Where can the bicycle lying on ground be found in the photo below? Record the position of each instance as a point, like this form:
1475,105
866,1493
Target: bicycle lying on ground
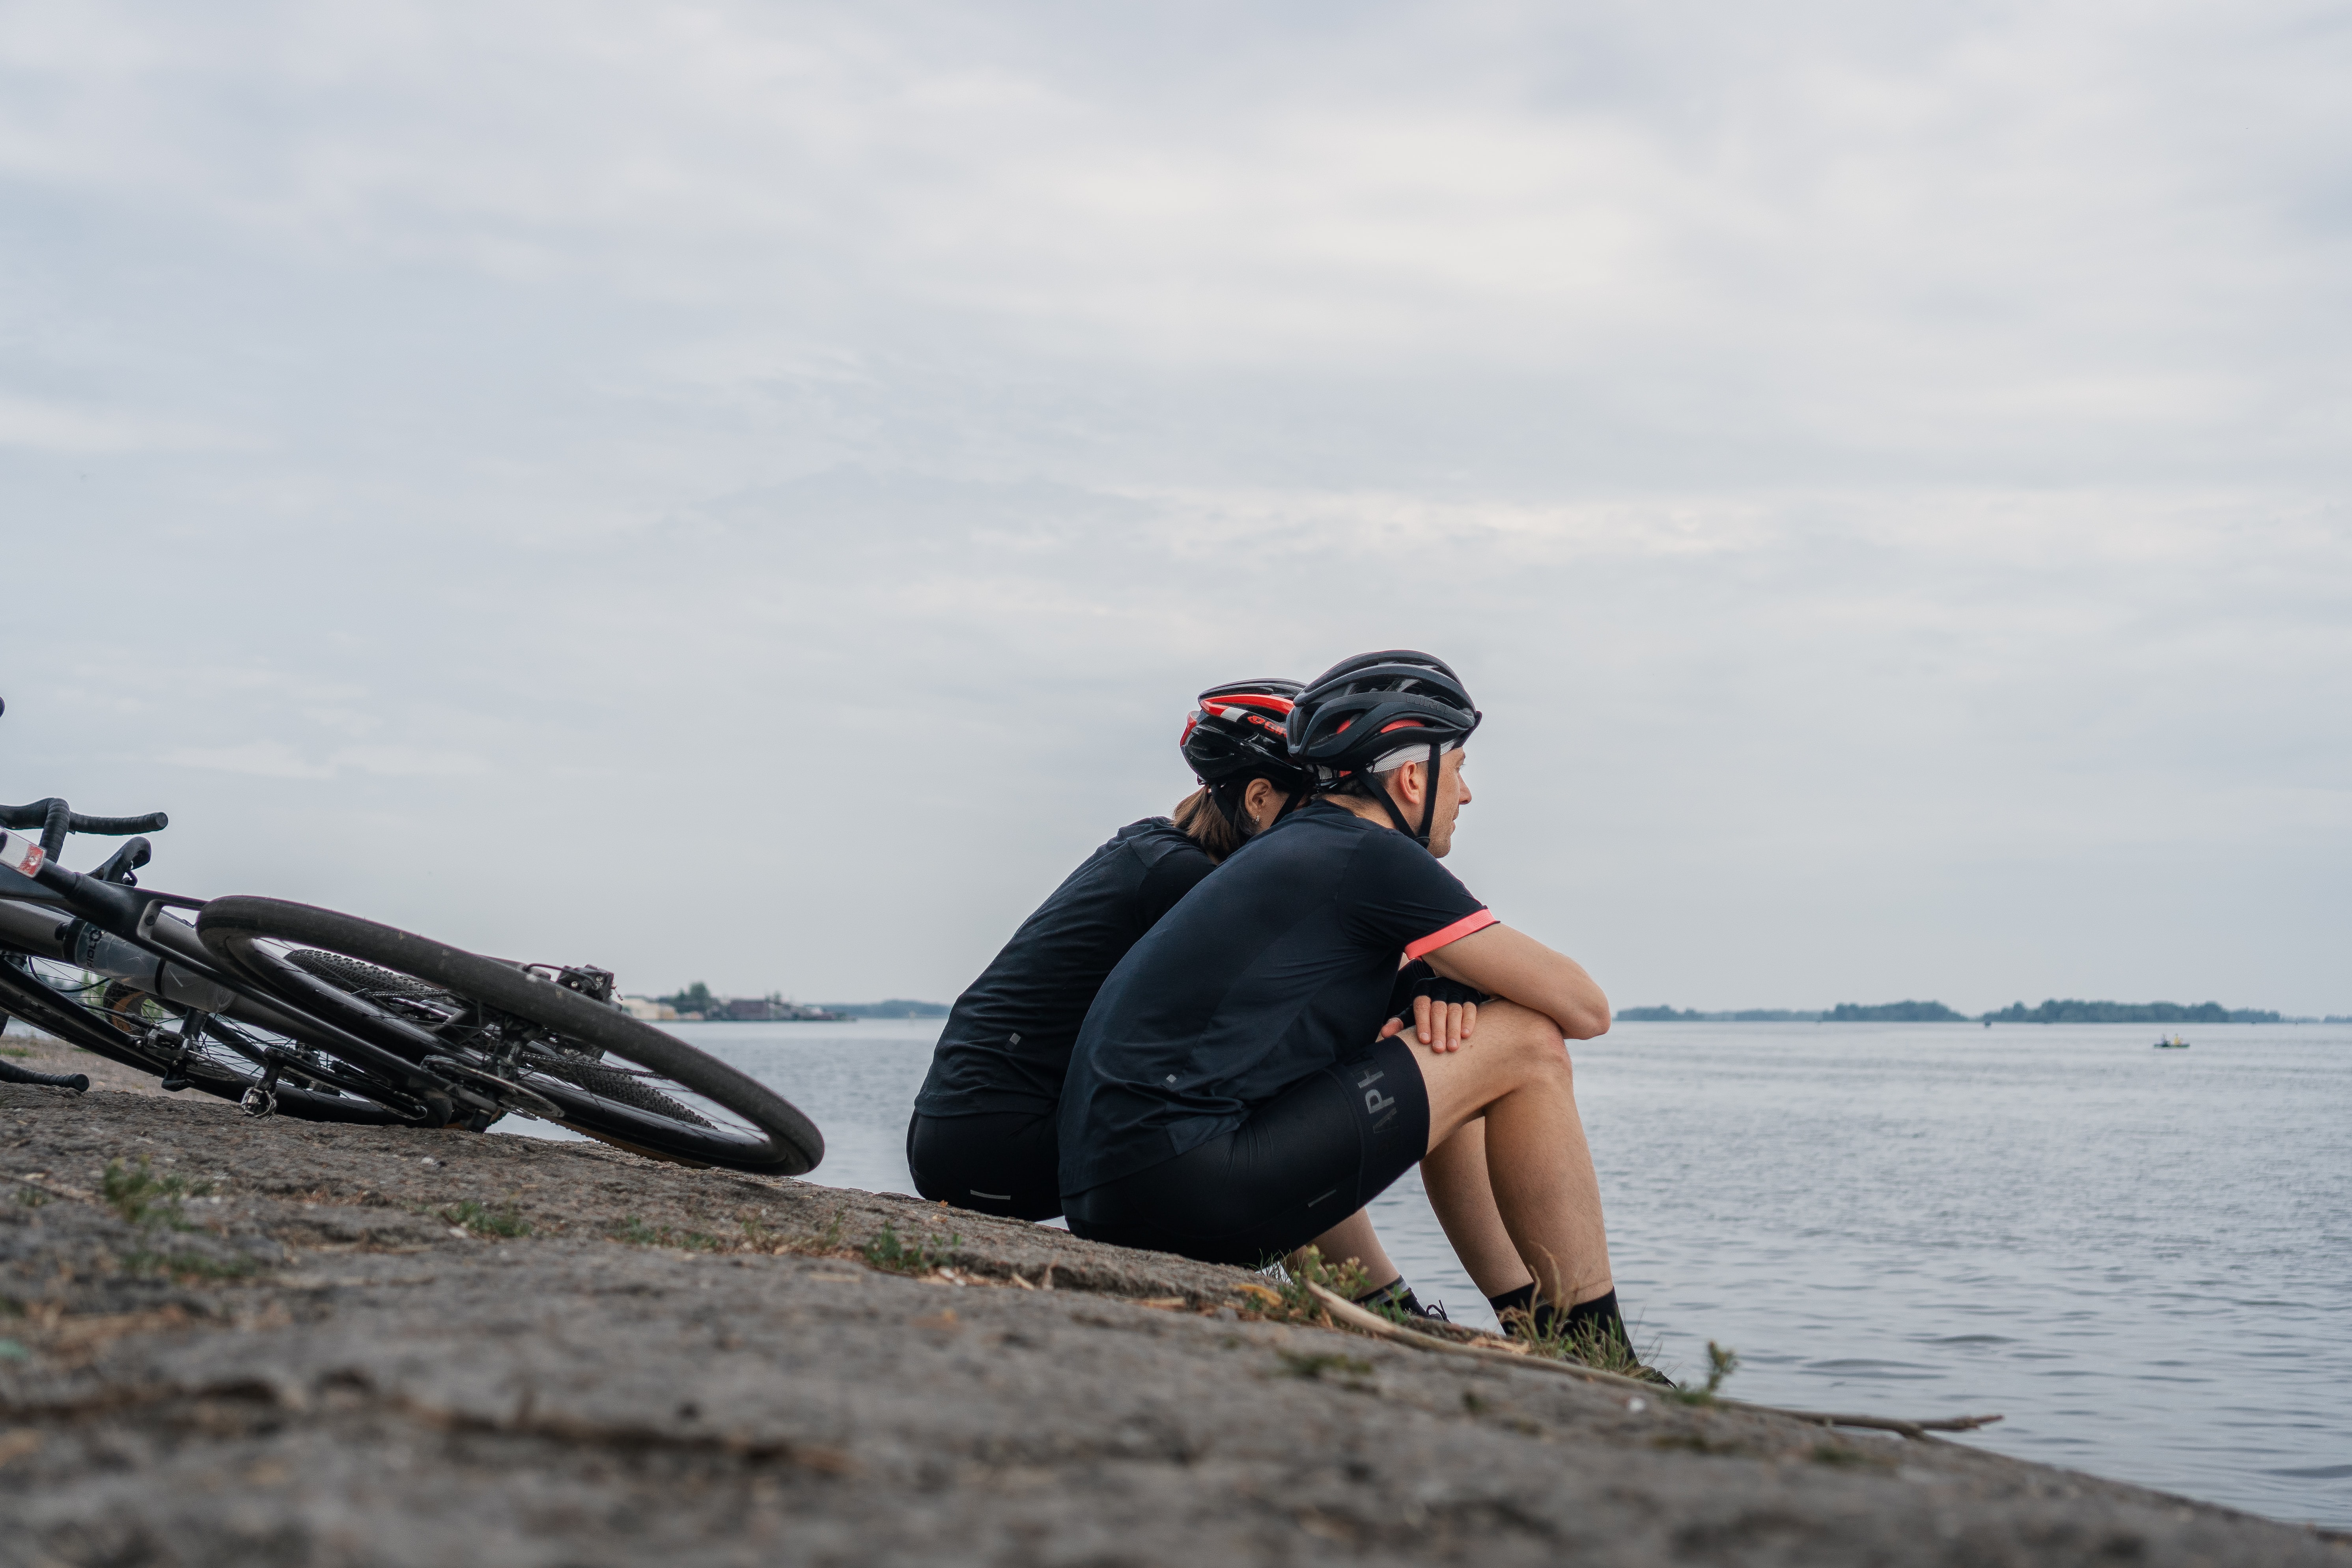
297,1011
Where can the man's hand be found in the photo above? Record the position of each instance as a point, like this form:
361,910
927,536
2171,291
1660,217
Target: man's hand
1442,1025
1514,967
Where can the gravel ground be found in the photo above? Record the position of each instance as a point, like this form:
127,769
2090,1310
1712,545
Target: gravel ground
270,1342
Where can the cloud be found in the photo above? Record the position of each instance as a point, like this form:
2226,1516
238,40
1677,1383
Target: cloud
258,759
1883,468
42,426
275,760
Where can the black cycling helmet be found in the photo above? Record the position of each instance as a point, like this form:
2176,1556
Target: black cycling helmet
1362,711
1236,734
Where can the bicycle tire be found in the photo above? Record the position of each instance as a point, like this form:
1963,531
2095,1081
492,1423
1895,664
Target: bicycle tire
775,1139
374,983
25,998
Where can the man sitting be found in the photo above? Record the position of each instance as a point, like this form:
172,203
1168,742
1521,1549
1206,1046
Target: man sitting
1232,1095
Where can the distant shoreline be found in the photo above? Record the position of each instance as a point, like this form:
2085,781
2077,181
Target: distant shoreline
698,1005
2053,1011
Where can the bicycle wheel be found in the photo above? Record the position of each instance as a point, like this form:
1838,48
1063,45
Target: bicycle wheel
110,1019
516,1033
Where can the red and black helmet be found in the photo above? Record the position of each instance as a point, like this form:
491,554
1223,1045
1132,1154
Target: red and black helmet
1239,732
1382,708
1241,727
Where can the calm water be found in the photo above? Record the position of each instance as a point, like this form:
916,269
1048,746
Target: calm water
2142,1257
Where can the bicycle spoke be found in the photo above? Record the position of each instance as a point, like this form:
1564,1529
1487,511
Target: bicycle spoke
489,1037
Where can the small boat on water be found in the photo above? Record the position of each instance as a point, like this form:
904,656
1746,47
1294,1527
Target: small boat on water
2174,1044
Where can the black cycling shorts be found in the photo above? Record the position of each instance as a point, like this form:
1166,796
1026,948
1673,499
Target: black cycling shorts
1001,1163
1303,1162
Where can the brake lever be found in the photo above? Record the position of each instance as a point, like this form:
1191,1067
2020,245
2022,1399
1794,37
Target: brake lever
117,867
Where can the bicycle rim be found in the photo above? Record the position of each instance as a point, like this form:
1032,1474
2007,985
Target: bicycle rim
510,1032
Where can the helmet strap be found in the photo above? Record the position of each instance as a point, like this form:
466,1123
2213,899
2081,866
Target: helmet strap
1429,794
1428,800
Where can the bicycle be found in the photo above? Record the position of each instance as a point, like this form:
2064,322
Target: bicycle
290,1009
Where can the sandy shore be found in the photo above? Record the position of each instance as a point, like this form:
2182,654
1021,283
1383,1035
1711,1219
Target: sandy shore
382,1346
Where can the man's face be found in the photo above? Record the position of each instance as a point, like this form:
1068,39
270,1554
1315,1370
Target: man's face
1452,794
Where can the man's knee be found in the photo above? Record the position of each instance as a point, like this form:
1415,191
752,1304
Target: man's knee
1533,1041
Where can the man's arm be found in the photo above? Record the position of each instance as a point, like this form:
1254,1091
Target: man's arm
1517,968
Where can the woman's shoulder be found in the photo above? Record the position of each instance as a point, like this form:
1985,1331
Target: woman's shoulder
1155,838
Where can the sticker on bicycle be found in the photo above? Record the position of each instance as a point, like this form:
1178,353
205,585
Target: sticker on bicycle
21,854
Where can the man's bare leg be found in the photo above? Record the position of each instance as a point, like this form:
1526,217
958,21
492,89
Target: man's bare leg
1353,1237
1463,1195
1515,1073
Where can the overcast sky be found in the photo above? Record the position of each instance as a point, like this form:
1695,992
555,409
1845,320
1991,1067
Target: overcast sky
748,493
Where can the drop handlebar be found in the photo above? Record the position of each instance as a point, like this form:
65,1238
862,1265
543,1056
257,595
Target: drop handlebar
56,819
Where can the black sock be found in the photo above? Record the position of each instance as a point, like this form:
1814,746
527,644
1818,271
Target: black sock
1599,1319
1395,1293
1594,1318
1514,1307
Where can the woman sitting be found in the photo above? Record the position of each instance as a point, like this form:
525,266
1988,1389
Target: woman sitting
983,1132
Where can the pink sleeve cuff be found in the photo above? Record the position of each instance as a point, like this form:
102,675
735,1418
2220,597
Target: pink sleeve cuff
1454,932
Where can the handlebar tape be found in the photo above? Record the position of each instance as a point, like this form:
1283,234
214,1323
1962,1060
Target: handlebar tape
54,812
78,1082
119,826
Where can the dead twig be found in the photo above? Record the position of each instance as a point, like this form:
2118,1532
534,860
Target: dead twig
1345,1311
40,1182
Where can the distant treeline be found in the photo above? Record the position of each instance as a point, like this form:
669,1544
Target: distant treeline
895,1007
1744,1015
696,998
2050,1012
2073,1012
1844,1013
700,1002
1894,1013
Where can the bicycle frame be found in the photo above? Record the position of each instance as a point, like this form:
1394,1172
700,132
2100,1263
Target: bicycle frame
186,974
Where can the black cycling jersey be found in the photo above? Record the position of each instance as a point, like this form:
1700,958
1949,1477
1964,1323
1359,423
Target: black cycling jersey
1007,1043
1277,967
